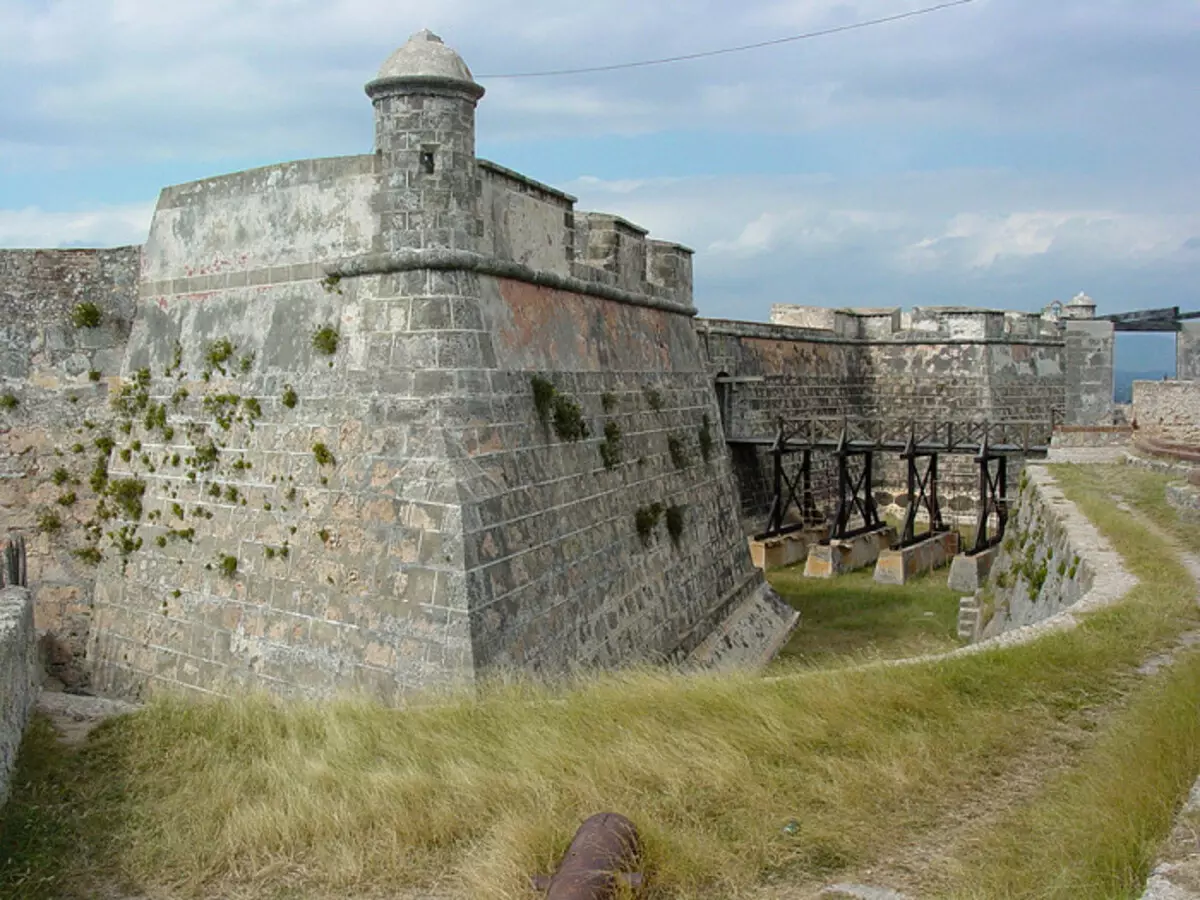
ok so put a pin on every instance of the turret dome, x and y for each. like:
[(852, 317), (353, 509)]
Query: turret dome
[(425, 59)]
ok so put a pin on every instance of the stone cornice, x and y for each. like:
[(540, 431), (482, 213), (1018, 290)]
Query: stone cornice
[(467, 261)]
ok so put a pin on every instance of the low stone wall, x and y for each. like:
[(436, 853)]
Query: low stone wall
[(18, 656), (1168, 411), (1186, 499), (1048, 562)]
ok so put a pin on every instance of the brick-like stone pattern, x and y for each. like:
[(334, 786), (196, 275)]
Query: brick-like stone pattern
[(1168, 411), (18, 687), (809, 374), (1042, 568), (46, 363), (1089, 371)]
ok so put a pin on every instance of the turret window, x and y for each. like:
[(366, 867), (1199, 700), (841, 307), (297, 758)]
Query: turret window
[(427, 160)]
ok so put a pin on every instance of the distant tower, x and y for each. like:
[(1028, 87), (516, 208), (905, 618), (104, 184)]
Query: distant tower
[(1081, 306), (424, 102)]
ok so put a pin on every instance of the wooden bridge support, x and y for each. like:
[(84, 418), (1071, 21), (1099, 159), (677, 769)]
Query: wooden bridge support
[(856, 494), (922, 494), (993, 494)]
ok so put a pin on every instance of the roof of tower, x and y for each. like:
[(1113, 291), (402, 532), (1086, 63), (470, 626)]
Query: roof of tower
[(426, 56), (1081, 299)]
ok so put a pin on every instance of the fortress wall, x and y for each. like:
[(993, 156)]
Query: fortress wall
[(526, 221), (557, 571), (45, 363), (1168, 411), (966, 366), (247, 228), (348, 573)]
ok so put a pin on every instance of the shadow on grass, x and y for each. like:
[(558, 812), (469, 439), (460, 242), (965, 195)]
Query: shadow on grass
[(58, 822)]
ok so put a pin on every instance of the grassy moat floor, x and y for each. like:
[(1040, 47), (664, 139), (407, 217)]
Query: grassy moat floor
[(1050, 770)]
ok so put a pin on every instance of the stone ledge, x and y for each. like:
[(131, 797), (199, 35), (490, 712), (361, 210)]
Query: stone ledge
[(750, 636), (18, 691), (781, 551)]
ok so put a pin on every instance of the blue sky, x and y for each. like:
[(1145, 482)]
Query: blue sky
[(1004, 153)]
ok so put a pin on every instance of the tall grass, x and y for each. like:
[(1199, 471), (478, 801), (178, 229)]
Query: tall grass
[(258, 796)]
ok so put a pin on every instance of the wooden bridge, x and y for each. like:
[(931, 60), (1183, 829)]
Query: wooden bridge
[(854, 443)]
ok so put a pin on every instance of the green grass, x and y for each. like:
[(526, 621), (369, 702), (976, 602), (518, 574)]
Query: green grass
[(853, 616), (269, 798)]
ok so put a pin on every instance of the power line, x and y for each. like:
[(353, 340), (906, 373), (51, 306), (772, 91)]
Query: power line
[(911, 14)]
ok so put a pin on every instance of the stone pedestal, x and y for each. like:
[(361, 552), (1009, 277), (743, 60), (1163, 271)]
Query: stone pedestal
[(837, 557), (969, 571), (902, 565), (784, 550)]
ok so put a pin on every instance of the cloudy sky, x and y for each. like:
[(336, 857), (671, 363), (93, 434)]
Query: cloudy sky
[(1001, 152)]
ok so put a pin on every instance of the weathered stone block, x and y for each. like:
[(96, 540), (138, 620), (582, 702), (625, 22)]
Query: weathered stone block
[(899, 566), (969, 571), (837, 557)]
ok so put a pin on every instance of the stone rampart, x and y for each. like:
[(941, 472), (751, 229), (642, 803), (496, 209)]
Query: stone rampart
[(1050, 560), (18, 659), (59, 372), (1168, 411), (963, 366)]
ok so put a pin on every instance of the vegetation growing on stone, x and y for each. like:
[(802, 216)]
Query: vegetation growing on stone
[(246, 363), (610, 448), (94, 375), (49, 522), (127, 493), (706, 439), (323, 455), (608, 401), (67, 499), (60, 476), (218, 353), (332, 284), (325, 340), (86, 315), (227, 565), (543, 397), (646, 518), (289, 398), (9, 401), (653, 399), (569, 424), (675, 517), (90, 555), (679, 452)]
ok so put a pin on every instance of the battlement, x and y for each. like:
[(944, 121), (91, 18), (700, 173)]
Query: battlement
[(921, 324)]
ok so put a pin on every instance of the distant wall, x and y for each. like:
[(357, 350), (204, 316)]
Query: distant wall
[(61, 376), (1168, 411), (1187, 351), (1089, 371), (18, 658), (961, 367)]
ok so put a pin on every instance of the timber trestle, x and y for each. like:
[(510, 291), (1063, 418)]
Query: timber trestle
[(854, 443)]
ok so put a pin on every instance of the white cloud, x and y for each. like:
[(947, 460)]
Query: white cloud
[(100, 227)]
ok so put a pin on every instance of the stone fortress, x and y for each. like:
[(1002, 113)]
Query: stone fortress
[(392, 421)]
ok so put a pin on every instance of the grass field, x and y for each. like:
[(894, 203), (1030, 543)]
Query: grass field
[(851, 618), (256, 798)]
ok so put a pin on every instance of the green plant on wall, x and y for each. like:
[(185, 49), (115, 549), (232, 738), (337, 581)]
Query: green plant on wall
[(218, 353), (610, 449), (675, 517), (325, 340), (323, 455), (679, 452), (608, 401), (9, 401), (653, 399), (646, 518), (86, 315), (543, 397), (706, 439), (568, 419), (289, 398)]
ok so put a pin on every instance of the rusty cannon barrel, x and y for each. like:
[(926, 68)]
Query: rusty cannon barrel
[(603, 856)]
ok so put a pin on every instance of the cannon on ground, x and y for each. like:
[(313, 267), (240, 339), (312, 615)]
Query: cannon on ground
[(602, 857)]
